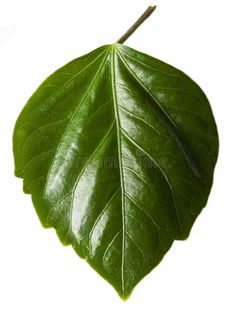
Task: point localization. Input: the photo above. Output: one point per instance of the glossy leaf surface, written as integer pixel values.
(118, 151)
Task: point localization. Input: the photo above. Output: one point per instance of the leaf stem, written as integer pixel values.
(133, 28)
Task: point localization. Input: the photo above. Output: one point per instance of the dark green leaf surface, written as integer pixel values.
(118, 151)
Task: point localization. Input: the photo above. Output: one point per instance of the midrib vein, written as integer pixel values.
(118, 127)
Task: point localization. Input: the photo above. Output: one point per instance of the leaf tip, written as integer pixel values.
(124, 295)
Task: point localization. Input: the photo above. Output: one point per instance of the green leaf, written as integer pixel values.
(118, 151)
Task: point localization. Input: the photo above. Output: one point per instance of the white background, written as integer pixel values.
(37, 274)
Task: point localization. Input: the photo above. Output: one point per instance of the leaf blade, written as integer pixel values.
(117, 167)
